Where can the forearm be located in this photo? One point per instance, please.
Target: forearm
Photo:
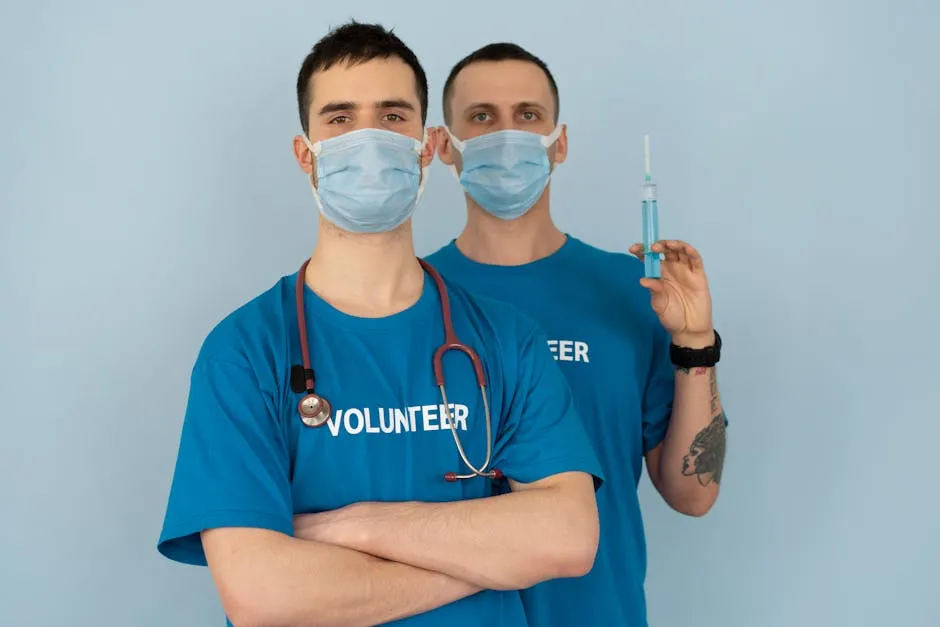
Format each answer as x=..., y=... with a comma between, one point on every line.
x=506, y=542
x=299, y=583
x=693, y=451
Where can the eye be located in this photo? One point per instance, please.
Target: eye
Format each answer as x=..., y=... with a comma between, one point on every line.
x=480, y=116
x=340, y=119
x=393, y=117
x=530, y=116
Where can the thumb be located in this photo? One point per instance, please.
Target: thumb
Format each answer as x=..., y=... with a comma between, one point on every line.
x=659, y=297
x=653, y=285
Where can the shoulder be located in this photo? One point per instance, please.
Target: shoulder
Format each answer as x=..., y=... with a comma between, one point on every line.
x=495, y=322
x=606, y=262
x=444, y=252
x=445, y=258
x=248, y=332
x=612, y=277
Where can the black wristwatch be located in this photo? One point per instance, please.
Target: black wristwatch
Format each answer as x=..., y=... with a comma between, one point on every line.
x=683, y=357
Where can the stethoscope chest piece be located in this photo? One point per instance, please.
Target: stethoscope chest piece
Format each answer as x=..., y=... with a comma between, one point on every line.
x=314, y=410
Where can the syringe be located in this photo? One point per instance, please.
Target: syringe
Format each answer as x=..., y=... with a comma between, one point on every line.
x=650, y=200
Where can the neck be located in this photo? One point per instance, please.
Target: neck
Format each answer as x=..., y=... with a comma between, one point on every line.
x=487, y=239
x=366, y=275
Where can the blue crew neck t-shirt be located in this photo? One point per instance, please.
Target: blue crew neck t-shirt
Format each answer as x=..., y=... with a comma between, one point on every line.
x=246, y=460
x=615, y=353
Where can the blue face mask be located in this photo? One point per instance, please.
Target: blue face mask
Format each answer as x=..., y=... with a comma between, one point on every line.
x=505, y=172
x=369, y=180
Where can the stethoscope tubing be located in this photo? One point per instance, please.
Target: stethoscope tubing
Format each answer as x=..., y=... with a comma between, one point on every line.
x=315, y=410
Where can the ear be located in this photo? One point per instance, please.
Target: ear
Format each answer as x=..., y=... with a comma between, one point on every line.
x=561, y=145
x=303, y=155
x=445, y=148
x=427, y=153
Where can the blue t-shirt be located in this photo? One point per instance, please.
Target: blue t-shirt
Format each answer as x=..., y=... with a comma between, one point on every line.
x=615, y=353
x=246, y=460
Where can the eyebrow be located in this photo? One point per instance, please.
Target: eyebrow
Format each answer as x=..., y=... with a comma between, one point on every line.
x=396, y=104
x=530, y=105
x=333, y=107
x=527, y=104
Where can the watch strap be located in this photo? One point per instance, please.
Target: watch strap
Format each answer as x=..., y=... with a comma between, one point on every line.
x=684, y=357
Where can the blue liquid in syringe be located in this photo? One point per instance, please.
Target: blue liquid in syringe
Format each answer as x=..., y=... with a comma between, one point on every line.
x=650, y=230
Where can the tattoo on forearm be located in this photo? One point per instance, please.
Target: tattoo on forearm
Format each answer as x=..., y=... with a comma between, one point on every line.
x=696, y=371
x=706, y=456
x=713, y=390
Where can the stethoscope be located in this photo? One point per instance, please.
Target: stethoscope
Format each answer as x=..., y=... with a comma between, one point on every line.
x=315, y=410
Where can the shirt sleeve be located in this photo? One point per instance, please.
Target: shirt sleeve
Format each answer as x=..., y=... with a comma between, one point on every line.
x=658, y=393
x=542, y=434
x=232, y=468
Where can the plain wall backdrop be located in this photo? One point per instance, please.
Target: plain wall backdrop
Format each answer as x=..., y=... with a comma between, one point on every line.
x=147, y=188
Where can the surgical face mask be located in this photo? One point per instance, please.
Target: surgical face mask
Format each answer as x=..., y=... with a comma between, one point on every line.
x=369, y=180
x=505, y=172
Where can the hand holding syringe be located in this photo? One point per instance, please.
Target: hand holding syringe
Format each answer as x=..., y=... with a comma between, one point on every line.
x=674, y=275
x=650, y=206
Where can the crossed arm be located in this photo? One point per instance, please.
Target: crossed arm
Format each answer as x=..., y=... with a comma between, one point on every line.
x=268, y=578
x=543, y=530
x=372, y=563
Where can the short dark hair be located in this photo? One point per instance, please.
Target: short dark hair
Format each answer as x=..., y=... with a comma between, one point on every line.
x=497, y=52
x=356, y=43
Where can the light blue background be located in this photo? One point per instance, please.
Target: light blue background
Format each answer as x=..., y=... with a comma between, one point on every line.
x=147, y=188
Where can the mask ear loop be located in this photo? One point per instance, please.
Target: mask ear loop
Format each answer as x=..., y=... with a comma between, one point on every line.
x=425, y=169
x=548, y=141
x=551, y=138
x=458, y=146
x=315, y=151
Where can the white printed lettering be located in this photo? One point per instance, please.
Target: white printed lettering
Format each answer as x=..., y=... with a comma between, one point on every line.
x=355, y=421
x=580, y=352
x=369, y=427
x=569, y=350
x=349, y=428
x=386, y=428
x=401, y=422
x=335, y=422
x=460, y=416
x=428, y=412
x=459, y=413
x=444, y=413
